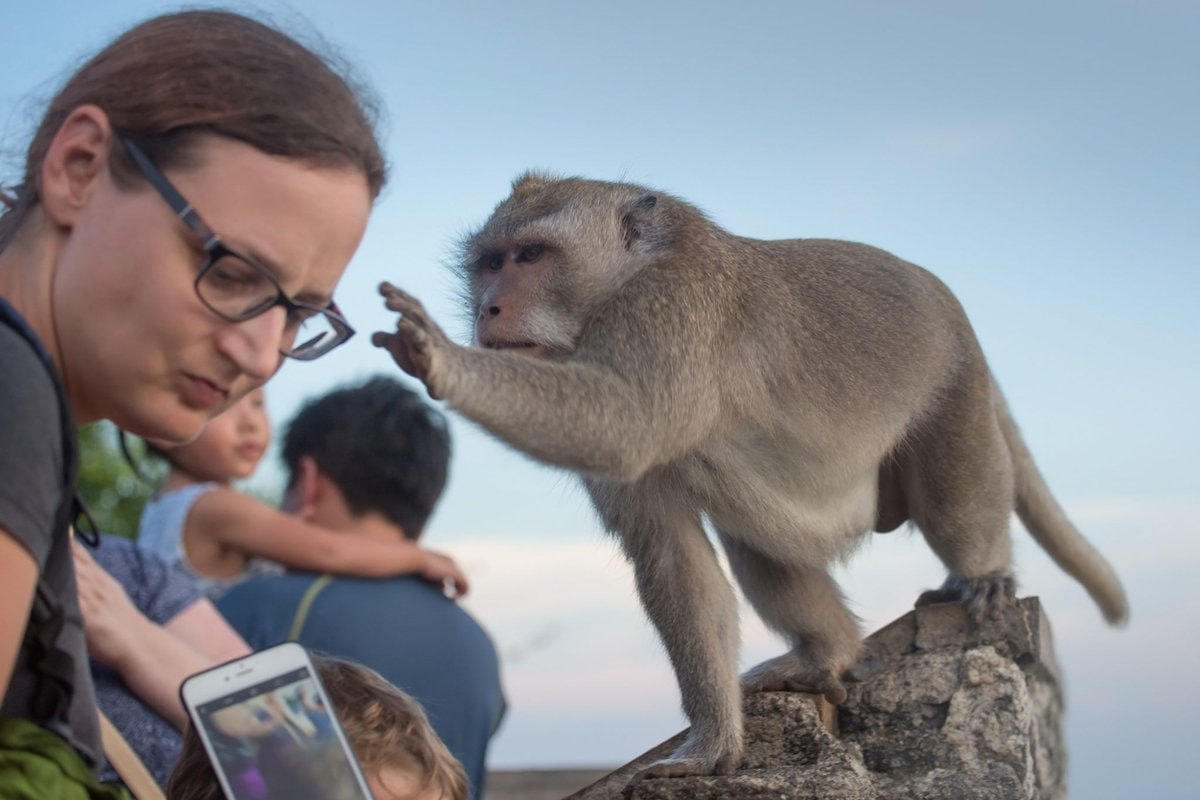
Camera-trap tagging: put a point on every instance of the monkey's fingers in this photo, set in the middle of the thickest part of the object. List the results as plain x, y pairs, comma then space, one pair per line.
398, 349
392, 295
987, 598
422, 346
397, 299
832, 688
414, 333
388, 289
819, 682
983, 598
404, 304
414, 317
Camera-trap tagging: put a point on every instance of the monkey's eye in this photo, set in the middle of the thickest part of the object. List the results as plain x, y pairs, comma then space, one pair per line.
492, 261
529, 253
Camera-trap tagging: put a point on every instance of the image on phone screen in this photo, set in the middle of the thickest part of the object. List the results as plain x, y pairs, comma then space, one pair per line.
276, 740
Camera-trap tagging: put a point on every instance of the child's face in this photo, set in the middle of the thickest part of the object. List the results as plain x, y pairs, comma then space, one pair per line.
231, 445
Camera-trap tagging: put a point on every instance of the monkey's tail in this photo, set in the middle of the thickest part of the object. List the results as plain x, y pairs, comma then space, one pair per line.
1045, 520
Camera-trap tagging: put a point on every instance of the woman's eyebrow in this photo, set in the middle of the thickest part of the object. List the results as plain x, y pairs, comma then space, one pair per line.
318, 299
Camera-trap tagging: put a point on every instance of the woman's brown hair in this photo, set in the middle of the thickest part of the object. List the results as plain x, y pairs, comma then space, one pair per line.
178, 75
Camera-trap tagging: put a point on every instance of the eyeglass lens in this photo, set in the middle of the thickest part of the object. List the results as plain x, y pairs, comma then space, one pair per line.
239, 290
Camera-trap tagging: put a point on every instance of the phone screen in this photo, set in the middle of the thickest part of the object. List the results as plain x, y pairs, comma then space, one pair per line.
276, 740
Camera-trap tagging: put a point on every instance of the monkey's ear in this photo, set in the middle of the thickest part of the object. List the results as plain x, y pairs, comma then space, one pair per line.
528, 182
640, 222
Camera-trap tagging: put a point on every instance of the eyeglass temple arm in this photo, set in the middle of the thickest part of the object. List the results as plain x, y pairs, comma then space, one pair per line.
174, 199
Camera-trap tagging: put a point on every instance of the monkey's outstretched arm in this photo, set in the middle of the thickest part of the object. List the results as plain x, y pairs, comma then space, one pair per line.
577, 414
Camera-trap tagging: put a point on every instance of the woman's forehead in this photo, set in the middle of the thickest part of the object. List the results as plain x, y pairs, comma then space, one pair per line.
301, 221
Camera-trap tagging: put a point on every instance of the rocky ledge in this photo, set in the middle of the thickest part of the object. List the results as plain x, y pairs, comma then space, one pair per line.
939, 709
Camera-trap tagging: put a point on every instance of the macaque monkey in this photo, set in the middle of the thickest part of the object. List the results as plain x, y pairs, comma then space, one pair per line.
794, 394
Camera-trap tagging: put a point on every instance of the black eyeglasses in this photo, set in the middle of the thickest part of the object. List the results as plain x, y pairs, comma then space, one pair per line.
237, 288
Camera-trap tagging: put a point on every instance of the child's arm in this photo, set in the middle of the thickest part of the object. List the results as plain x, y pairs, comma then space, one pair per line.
241, 522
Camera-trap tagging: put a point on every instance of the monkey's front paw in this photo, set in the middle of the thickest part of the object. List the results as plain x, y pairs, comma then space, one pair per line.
418, 345
983, 598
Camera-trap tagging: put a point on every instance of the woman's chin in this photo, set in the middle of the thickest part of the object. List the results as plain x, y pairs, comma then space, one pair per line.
164, 434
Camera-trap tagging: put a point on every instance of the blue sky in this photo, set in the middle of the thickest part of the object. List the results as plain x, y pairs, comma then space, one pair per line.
1040, 157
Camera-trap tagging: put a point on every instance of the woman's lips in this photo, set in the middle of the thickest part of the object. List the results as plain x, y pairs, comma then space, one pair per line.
202, 393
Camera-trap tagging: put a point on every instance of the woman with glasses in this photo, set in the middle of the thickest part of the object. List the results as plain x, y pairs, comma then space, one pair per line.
188, 204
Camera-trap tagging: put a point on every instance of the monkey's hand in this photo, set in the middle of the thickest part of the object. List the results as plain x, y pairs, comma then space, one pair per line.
418, 346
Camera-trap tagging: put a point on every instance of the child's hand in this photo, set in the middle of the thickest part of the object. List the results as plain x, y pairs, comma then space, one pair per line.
441, 569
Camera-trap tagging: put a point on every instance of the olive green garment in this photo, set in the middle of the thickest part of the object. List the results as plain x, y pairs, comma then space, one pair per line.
35, 764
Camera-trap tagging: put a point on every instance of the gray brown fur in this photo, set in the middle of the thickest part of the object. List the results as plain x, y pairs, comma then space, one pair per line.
796, 394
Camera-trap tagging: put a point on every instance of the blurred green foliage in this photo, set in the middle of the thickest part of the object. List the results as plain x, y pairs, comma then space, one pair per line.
113, 491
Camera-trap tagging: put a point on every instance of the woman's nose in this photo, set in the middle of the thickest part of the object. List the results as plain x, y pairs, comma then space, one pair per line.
254, 344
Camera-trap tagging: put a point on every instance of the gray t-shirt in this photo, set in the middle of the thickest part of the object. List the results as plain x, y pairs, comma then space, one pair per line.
31, 489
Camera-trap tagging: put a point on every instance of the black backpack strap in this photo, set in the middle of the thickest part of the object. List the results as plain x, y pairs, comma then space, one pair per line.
55, 666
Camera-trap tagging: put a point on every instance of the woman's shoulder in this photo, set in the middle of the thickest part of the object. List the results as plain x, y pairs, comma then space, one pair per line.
27, 390
31, 445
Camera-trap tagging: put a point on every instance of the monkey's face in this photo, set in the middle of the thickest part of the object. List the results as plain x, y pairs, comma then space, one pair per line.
546, 260
519, 299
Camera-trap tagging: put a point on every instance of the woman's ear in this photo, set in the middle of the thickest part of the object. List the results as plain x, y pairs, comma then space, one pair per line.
76, 157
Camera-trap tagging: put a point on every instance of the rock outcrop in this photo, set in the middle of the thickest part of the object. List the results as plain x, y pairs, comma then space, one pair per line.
939, 709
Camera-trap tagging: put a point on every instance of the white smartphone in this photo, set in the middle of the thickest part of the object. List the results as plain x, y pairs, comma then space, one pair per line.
270, 731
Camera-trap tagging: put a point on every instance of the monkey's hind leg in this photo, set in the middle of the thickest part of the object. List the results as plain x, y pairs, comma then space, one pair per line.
959, 484
804, 605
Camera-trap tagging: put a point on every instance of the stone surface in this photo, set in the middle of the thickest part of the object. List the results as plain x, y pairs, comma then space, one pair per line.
790, 756
943, 708
939, 707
